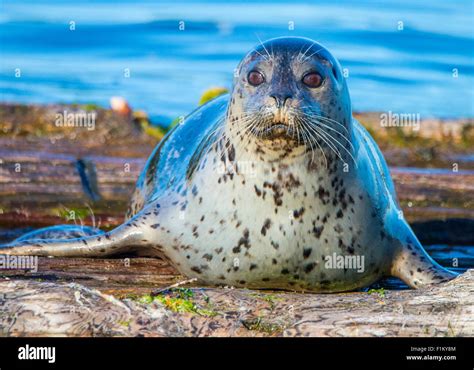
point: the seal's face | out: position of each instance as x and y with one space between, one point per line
291 88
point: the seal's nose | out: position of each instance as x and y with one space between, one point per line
281 99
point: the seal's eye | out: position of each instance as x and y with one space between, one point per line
312 79
255 78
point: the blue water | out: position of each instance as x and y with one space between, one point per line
409 70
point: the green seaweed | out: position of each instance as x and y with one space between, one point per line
90 107
380 292
269 298
261 325
177 300
467 136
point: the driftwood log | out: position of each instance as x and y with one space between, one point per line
35 308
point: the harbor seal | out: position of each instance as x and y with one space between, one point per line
273 186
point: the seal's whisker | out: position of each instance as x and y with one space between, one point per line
248 127
263 56
320 148
314 118
264 48
316 115
317 131
297 129
324 127
307 140
309 56
321 124
327 141
272 53
292 114
247 123
311 138
218 140
342 146
330 140
329 120
299 53
314 121
301 57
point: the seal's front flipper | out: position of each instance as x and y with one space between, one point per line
413 265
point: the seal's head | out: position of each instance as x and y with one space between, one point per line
290 88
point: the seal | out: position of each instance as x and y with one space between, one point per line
273 186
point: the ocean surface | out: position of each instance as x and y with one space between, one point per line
402 55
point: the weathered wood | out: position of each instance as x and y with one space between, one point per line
45 308
115 276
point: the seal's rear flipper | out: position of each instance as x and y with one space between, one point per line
413 265
124 238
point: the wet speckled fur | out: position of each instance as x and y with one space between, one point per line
256 209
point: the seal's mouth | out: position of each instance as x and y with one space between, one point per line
278 129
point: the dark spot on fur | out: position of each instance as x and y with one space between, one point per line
307 252
207 256
309 267
266 226
298 213
258 191
317 231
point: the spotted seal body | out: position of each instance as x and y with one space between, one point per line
274 186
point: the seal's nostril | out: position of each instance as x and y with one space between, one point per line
281 99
